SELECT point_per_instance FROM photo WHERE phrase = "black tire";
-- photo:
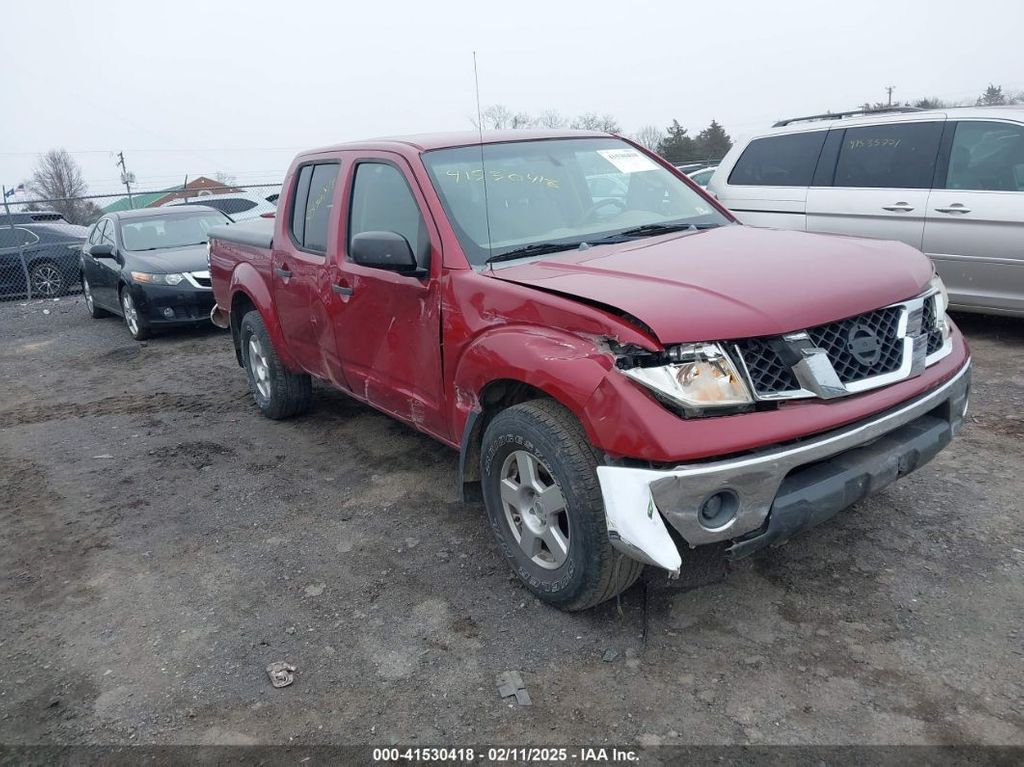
(281, 393)
(47, 280)
(90, 305)
(592, 571)
(133, 321)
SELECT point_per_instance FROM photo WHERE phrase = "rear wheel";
(544, 504)
(46, 280)
(278, 392)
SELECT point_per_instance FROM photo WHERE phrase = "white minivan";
(948, 182)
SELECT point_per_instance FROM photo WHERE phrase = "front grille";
(930, 325)
(770, 376)
(834, 338)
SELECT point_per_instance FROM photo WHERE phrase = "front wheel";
(90, 303)
(278, 392)
(544, 504)
(134, 321)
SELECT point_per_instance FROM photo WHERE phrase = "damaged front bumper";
(762, 498)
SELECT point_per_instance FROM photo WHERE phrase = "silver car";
(949, 182)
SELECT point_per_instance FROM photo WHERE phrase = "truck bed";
(257, 233)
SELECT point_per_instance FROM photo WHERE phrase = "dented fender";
(565, 366)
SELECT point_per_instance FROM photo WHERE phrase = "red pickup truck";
(626, 372)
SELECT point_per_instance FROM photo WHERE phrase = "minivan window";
(383, 202)
(894, 155)
(987, 156)
(779, 160)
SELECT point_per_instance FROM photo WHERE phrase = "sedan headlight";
(699, 377)
(158, 279)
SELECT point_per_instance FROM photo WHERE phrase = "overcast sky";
(198, 87)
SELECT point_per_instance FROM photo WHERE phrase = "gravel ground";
(164, 543)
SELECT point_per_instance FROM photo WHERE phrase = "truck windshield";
(166, 231)
(553, 192)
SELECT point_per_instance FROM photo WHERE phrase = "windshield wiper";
(537, 249)
(651, 229)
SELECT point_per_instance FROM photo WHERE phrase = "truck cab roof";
(424, 142)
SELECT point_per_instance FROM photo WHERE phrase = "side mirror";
(385, 250)
(103, 250)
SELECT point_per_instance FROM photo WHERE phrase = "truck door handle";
(902, 207)
(956, 207)
(342, 290)
(281, 272)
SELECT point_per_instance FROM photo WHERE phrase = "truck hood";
(731, 282)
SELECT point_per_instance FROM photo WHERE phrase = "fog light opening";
(168, 312)
(718, 510)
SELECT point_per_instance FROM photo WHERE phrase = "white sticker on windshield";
(628, 160)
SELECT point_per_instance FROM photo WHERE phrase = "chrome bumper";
(745, 487)
(220, 318)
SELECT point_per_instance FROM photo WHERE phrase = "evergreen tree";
(677, 147)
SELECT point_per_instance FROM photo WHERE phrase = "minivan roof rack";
(851, 113)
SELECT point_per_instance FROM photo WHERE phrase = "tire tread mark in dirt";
(124, 405)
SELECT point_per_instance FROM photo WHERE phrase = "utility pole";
(889, 89)
(126, 179)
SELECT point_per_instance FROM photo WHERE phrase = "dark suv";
(39, 254)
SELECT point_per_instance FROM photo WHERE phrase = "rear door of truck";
(387, 326)
(300, 265)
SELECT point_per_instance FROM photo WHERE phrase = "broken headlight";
(696, 378)
(941, 299)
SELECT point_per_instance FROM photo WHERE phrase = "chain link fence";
(41, 240)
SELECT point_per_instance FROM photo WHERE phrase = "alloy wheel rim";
(535, 509)
(131, 316)
(259, 367)
(46, 280)
(88, 294)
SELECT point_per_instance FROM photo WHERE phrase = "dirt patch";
(164, 543)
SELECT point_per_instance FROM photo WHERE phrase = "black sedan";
(150, 267)
(39, 254)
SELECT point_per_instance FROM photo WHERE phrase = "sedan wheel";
(46, 281)
(90, 302)
(136, 325)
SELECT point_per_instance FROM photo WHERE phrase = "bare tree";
(649, 137)
(500, 117)
(592, 121)
(224, 178)
(58, 177)
(550, 118)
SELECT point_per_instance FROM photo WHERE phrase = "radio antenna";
(483, 167)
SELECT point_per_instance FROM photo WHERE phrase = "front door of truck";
(299, 273)
(387, 325)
